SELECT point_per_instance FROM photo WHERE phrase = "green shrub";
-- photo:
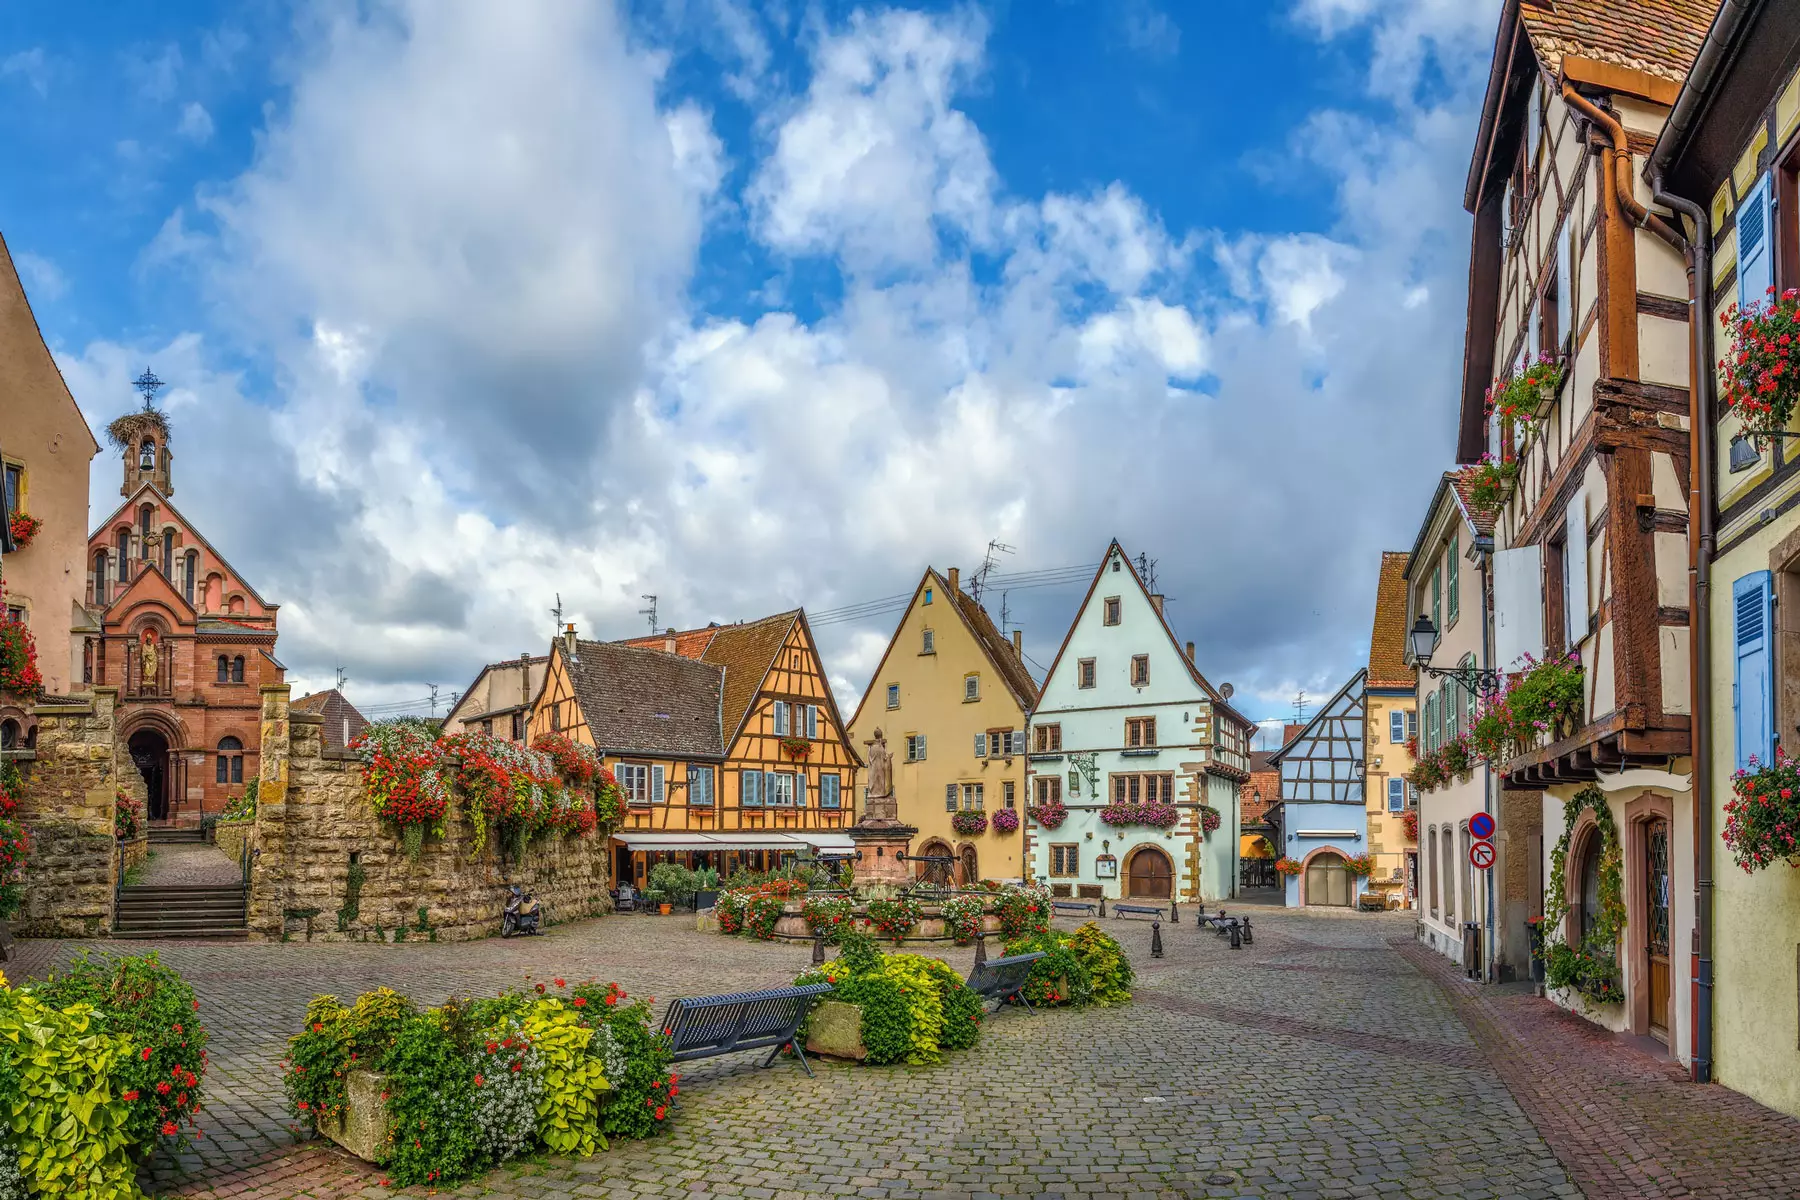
(431, 1084)
(568, 1114)
(913, 1007)
(1059, 978)
(635, 1056)
(1109, 972)
(1024, 911)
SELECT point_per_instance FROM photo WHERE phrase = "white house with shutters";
(1126, 727)
(1324, 822)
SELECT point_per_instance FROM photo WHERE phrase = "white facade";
(1125, 717)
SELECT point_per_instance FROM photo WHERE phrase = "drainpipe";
(1490, 793)
(1618, 167)
(1701, 549)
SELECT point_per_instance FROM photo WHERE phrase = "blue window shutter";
(1756, 266)
(812, 721)
(781, 723)
(799, 789)
(1753, 697)
(750, 783)
(657, 793)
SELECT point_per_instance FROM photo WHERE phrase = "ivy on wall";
(1591, 968)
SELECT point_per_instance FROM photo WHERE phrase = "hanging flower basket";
(969, 823)
(796, 748)
(1409, 825)
(1161, 816)
(1524, 397)
(1209, 818)
(1049, 816)
(1762, 821)
(1005, 821)
(1288, 866)
(1490, 482)
(1760, 373)
(25, 528)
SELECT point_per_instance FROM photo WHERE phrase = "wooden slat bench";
(1059, 907)
(705, 1026)
(1141, 910)
(1003, 979)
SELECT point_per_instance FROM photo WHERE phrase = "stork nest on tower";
(127, 431)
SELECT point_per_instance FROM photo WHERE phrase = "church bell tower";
(143, 441)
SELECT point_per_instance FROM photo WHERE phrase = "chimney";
(1156, 603)
(1190, 651)
(1019, 644)
(953, 575)
(669, 640)
(1289, 731)
(569, 639)
(524, 678)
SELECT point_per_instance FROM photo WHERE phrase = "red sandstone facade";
(184, 638)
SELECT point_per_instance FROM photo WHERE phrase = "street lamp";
(1483, 681)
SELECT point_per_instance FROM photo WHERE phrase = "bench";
(1144, 910)
(1073, 906)
(1004, 979)
(705, 1026)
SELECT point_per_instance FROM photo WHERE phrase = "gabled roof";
(336, 710)
(1212, 693)
(1327, 709)
(1452, 488)
(151, 584)
(747, 652)
(994, 644)
(12, 291)
(1387, 641)
(1480, 520)
(528, 661)
(646, 701)
(132, 500)
(1657, 37)
(689, 643)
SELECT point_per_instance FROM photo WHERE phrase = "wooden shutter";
(812, 721)
(657, 793)
(981, 745)
(1518, 605)
(1575, 571)
(921, 747)
(799, 789)
(1756, 266)
(1753, 697)
(750, 789)
(1566, 317)
(949, 797)
(781, 721)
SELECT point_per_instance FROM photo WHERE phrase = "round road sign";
(1481, 825)
(1481, 855)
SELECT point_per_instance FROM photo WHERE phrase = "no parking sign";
(1481, 826)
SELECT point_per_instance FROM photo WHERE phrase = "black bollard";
(1201, 919)
(980, 948)
(1103, 906)
(1249, 938)
(1156, 950)
(1236, 939)
(1174, 913)
(818, 955)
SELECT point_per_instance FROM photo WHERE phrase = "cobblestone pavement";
(188, 864)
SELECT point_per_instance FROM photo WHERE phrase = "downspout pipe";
(1618, 167)
(1700, 509)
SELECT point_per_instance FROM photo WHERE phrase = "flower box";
(364, 1125)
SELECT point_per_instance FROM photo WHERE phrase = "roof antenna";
(988, 563)
(649, 612)
(1003, 614)
(1300, 708)
(1147, 568)
(342, 678)
(434, 688)
(556, 614)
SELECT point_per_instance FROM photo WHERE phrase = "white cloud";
(44, 280)
(31, 65)
(196, 123)
(1407, 34)
(1149, 30)
(156, 74)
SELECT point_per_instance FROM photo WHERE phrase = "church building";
(186, 640)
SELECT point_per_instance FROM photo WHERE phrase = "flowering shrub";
(509, 1085)
(1518, 396)
(827, 915)
(962, 918)
(1023, 910)
(576, 763)
(1758, 375)
(1005, 820)
(405, 780)
(1060, 978)
(1543, 701)
(1210, 819)
(25, 528)
(1162, 816)
(894, 918)
(969, 823)
(13, 843)
(1762, 820)
(1050, 814)
(1489, 482)
(1288, 866)
(19, 672)
(729, 909)
(1409, 824)
(128, 816)
(760, 915)
(1362, 866)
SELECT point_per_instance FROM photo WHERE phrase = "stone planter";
(364, 1126)
(834, 1029)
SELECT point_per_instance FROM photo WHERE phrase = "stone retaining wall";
(230, 836)
(314, 825)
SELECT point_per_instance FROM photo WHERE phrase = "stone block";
(364, 1126)
(835, 1030)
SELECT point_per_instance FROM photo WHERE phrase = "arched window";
(187, 575)
(147, 455)
(100, 577)
(124, 540)
(230, 767)
(9, 734)
(224, 669)
(1589, 871)
(1431, 881)
(237, 669)
(168, 562)
(145, 515)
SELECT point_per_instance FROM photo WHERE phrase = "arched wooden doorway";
(1328, 880)
(1149, 875)
(935, 872)
(968, 868)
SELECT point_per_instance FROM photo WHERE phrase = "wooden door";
(1656, 930)
(971, 871)
(1150, 877)
(1328, 882)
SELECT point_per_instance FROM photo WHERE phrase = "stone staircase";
(153, 911)
(162, 835)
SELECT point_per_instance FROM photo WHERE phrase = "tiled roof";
(647, 701)
(1481, 520)
(1387, 642)
(332, 705)
(998, 648)
(689, 643)
(1657, 37)
(746, 652)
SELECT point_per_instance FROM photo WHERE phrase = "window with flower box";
(973, 797)
(1046, 789)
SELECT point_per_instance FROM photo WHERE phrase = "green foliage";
(569, 1113)
(1024, 911)
(353, 885)
(827, 916)
(638, 1070)
(674, 881)
(1109, 972)
(760, 916)
(858, 952)
(895, 918)
(1591, 968)
(962, 918)
(431, 1092)
(913, 1007)
(242, 808)
(1058, 979)
(1591, 974)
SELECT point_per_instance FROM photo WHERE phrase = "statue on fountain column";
(880, 804)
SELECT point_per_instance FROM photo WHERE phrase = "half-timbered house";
(1574, 262)
(1324, 823)
(1126, 727)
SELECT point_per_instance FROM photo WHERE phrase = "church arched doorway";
(1149, 875)
(968, 867)
(150, 754)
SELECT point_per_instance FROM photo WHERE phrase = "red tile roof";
(1387, 642)
(747, 652)
(1657, 37)
(1481, 520)
(689, 643)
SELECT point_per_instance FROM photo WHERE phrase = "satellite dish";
(1225, 691)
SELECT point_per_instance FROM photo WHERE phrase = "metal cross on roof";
(148, 385)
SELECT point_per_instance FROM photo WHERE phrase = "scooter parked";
(520, 916)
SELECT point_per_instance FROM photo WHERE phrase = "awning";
(838, 843)
(751, 840)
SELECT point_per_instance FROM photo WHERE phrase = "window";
(1449, 877)
(15, 486)
(749, 789)
(928, 595)
(1006, 790)
(229, 767)
(1396, 795)
(556, 717)
(15, 614)
(1015, 741)
(633, 780)
(1047, 789)
(1431, 872)
(1397, 727)
(518, 727)
(1753, 695)
(971, 688)
(998, 744)
(487, 726)
(224, 669)
(1084, 677)
(237, 669)
(1437, 598)
(168, 555)
(1431, 724)
(190, 566)
(1468, 696)
(1140, 731)
(1047, 739)
(781, 718)
(915, 747)
(124, 541)
(812, 721)
(700, 786)
(1065, 859)
(100, 577)
(778, 789)
(1140, 670)
(830, 792)
(1453, 563)
(1111, 616)
(981, 745)
(929, 645)
(1756, 265)
(1589, 913)
(893, 695)
(145, 514)
(972, 797)
(949, 797)
(1143, 789)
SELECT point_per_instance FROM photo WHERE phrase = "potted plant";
(674, 883)
(706, 888)
(659, 898)
(1760, 381)
(796, 748)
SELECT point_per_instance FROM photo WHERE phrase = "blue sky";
(760, 305)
